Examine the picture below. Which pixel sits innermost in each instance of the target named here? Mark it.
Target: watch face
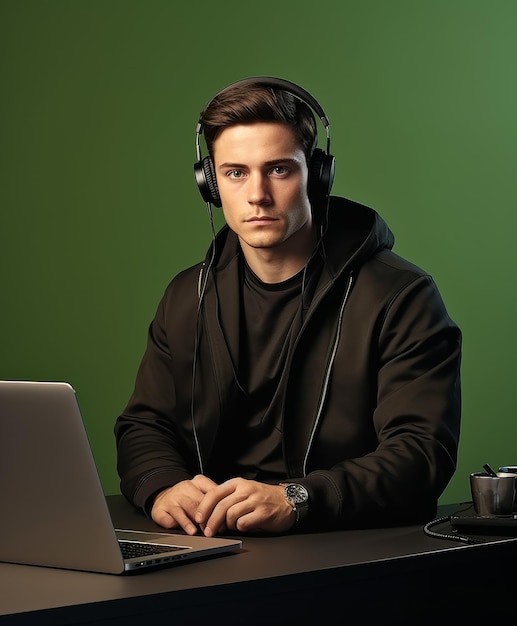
(297, 494)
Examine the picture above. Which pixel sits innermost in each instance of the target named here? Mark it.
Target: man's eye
(280, 170)
(234, 174)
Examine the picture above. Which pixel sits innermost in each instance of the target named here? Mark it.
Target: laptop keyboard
(133, 549)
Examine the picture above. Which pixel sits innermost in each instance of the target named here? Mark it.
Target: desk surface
(304, 575)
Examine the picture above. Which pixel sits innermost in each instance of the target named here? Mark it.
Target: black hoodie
(369, 400)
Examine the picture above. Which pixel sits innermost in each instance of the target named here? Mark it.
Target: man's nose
(259, 191)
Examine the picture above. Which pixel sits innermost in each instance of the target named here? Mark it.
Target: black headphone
(322, 163)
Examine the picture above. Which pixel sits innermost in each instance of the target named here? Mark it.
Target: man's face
(262, 179)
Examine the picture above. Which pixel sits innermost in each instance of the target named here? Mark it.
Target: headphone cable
(204, 274)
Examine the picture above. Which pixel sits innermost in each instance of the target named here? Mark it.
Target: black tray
(466, 519)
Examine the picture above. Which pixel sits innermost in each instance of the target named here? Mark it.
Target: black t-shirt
(250, 441)
(269, 315)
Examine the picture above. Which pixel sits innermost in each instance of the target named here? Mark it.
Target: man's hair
(259, 102)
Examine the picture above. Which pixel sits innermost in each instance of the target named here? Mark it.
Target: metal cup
(511, 469)
(493, 495)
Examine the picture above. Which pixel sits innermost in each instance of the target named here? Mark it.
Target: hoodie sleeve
(392, 420)
(152, 451)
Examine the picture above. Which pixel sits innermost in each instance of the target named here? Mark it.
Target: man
(304, 376)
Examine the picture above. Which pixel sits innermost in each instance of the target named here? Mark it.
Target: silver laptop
(54, 511)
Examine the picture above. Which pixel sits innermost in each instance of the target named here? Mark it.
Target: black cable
(449, 536)
(205, 272)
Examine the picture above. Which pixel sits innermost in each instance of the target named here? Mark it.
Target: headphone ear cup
(321, 175)
(204, 172)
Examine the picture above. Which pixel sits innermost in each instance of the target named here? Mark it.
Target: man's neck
(275, 265)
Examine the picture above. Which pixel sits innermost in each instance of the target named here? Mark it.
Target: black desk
(399, 575)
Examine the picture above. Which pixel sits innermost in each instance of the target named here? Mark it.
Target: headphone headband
(280, 83)
(321, 174)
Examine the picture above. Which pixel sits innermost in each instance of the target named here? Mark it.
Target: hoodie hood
(366, 234)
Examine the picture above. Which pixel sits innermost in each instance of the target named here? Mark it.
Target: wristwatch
(298, 498)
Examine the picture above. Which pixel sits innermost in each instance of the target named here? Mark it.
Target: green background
(99, 208)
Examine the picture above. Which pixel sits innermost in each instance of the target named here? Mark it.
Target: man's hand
(245, 506)
(177, 506)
